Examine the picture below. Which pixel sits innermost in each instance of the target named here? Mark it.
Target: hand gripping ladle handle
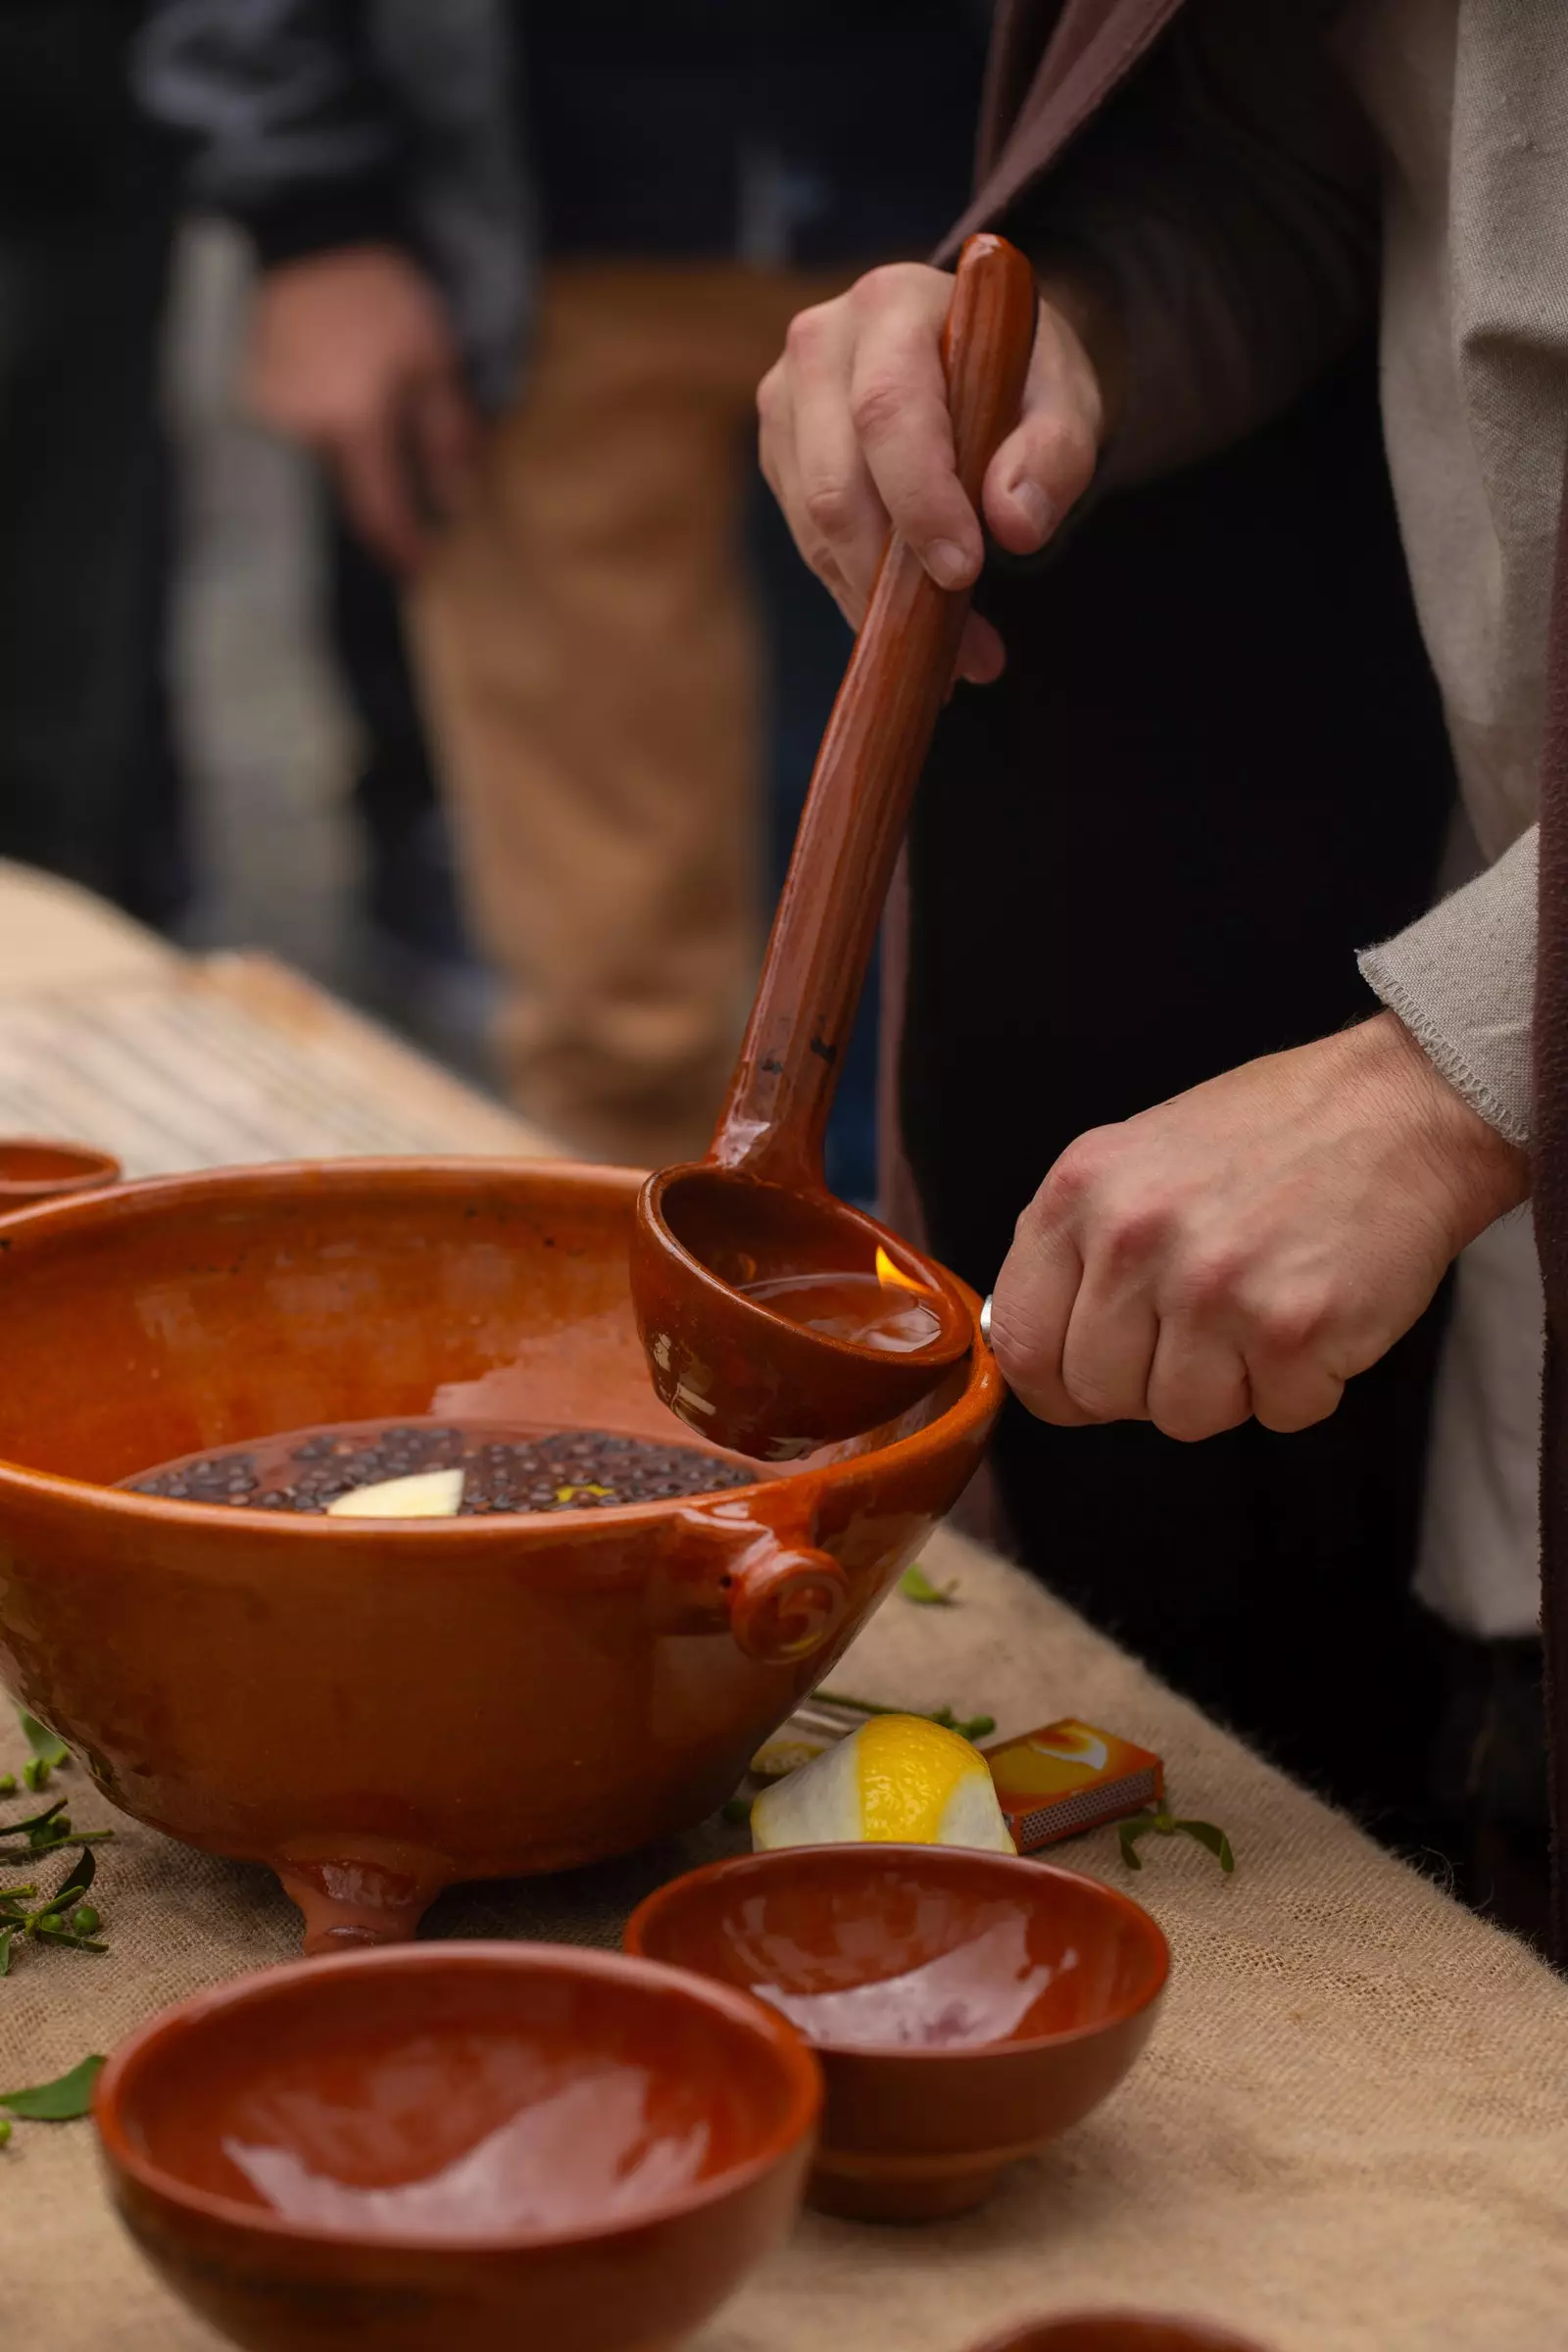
(774, 1118)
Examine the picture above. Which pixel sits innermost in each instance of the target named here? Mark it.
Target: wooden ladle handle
(872, 756)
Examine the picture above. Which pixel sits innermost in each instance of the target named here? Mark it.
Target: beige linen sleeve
(1462, 980)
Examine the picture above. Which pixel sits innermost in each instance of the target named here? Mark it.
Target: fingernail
(947, 564)
(1033, 504)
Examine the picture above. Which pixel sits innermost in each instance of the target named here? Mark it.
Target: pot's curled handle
(783, 1597)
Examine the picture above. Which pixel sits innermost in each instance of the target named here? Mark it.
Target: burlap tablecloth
(1349, 2134)
(1351, 2131)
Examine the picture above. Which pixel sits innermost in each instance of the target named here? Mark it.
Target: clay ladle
(756, 1214)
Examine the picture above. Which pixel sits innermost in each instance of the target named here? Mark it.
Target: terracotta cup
(376, 1709)
(966, 2007)
(1116, 2331)
(459, 2144)
(33, 1169)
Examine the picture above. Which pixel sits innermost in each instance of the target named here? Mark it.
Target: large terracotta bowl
(459, 2145)
(966, 2007)
(380, 1709)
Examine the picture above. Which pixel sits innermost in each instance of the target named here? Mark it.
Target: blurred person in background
(92, 782)
(560, 468)
(90, 785)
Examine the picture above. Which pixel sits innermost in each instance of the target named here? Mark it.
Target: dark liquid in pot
(504, 1469)
(861, 1308)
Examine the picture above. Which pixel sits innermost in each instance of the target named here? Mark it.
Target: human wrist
(1480, 1172)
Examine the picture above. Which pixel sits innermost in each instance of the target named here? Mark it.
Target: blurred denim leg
(806, 646)
(89, 780)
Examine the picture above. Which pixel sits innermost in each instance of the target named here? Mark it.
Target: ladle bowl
(757, 1210)
(744, 1373)
(380, 1708)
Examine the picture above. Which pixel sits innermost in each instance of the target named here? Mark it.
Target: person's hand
(1248, 1247)
(855, 434)
(350, 353)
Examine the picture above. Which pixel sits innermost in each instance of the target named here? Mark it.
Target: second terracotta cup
(965, 2007)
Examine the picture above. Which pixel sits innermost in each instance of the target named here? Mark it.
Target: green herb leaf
(35, 1773)
(978, 1727)
(22, 1857)
(915, 1585)
(60, 2101)
(53, 1933)
(78, 1883)
(8, 1784)
(6, 1935)
(1215, 1839)
(1129, 1832)
(1164, 1824)
(34, 1820)
(42, 1740)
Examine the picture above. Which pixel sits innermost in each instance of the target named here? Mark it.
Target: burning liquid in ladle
(884, 1310)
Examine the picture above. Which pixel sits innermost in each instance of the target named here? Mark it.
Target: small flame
(895, 1276)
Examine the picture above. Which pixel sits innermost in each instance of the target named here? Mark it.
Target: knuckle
(1074, 1177)
(1210, 1281)
(877, 404)
(1132, 1232)
(831, 508)
(807, 331)
(888, 284)
(1294, 1323)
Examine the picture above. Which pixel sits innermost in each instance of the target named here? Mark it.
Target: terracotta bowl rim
(1017, 1868)
(982, 1394)
(953, 1294)
(797, 2067)
(1207, 2335)
(95, 1169)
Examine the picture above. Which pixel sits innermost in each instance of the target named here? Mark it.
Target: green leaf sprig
(44, 1834)
(63, 1917)
(914, 1585)
(45, 1754)
(61, 2101)
(1164, 1823)
(968, 1726)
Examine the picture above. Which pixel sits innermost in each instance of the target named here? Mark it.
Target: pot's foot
(347, 1904)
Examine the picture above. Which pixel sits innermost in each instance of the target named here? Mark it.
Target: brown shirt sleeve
(1229, 202)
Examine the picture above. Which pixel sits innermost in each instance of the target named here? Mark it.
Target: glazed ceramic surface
(379, 1709)
(966, 2007)
(1116, 2331)
(34, 1169)
(459, 2144)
